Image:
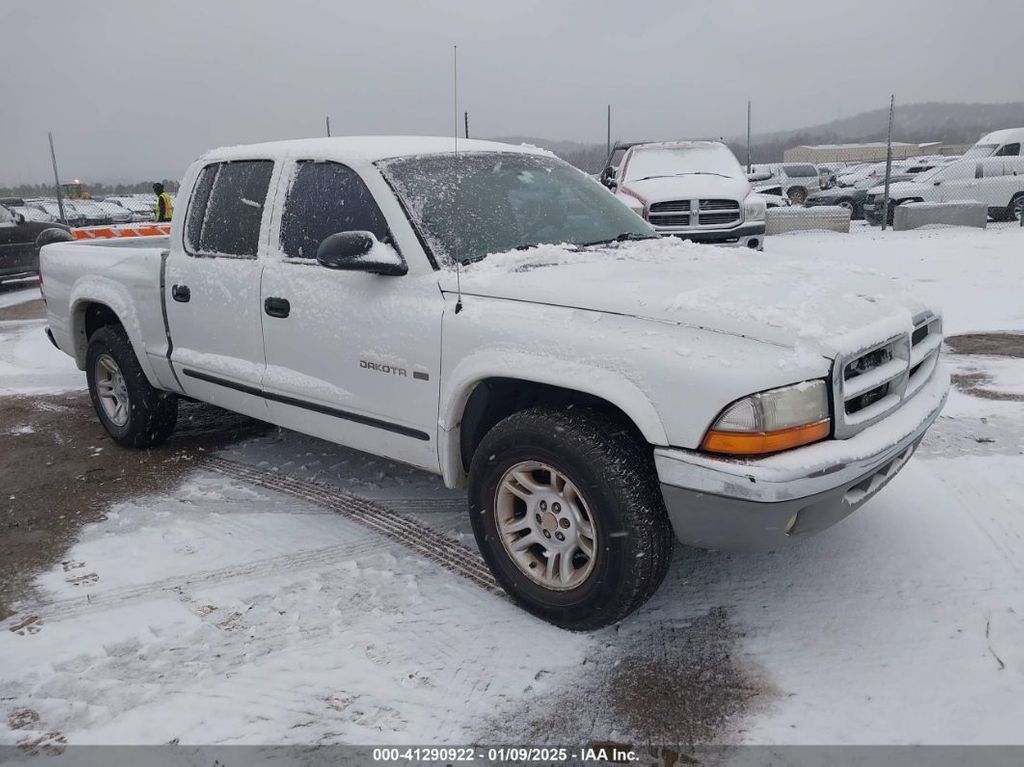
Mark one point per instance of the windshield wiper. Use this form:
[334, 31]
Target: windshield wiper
[624, 237]
[685, 173]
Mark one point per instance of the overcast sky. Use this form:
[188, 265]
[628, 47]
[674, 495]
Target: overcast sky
[136, 90]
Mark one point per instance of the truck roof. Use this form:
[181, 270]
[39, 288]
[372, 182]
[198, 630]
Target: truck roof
[1002, 136]
[364, 148]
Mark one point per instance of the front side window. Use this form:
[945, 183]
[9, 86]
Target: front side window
[470, 205]
[1009, 150]
[326, 198]
[226, 208]
[801, 171]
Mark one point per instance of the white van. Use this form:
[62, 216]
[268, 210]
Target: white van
[997, 181]
[1000, 143]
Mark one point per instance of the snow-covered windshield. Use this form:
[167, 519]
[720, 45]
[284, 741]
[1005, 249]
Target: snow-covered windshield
[683, 160]
[980, 150]
[473, 204]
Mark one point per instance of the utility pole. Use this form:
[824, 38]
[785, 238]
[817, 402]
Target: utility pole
[888, 164]
[749, 167]
[465, 116]
[608, 142]
[56, 181]
[328, 118]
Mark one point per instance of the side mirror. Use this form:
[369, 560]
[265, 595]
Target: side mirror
[19, 218]
[360, 252]
[608, 177]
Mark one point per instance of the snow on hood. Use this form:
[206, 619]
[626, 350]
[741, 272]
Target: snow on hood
[827, 310]
[690, 187]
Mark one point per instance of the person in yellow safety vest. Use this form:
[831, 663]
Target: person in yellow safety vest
[164, 203]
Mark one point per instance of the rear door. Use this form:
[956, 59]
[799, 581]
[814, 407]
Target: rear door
[351, 357]
[212, 286]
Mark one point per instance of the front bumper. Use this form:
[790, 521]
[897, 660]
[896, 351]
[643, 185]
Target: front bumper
[764, 504]
[750, 234]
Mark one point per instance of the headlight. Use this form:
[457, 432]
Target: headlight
[773, 420]
[754, 207]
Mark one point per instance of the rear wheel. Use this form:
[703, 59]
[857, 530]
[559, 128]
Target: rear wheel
[568, 514]
[130, 409]
[797, 195]
[1016, 207]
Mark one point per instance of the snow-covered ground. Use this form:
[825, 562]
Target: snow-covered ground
[227, 613]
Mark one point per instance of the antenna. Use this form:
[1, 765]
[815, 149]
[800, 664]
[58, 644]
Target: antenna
[455, 106]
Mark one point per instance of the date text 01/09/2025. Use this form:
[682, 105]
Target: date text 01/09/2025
[613, 754]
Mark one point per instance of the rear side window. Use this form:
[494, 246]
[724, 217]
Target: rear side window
[326, 198]
[226, 208]
[801, 171]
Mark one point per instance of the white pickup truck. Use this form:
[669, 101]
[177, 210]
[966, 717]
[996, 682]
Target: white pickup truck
[493, 315]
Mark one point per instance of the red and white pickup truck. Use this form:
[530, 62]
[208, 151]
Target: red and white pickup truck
[495, 316]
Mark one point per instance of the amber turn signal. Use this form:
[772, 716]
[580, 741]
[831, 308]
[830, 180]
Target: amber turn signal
[760, 443]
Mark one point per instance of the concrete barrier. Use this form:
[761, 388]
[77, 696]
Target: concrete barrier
[797, 219]
[911, 215]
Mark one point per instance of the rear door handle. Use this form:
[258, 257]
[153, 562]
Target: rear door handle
[181, 293]
[277, 307]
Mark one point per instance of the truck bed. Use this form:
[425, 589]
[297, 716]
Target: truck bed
[126, 276]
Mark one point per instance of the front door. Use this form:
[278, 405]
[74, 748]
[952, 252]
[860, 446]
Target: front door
[16, 247]
[212, 288]
[352, 357]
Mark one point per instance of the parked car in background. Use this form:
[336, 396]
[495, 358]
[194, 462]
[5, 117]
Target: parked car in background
[71, 214]
[851, 197]
[797, 180]
[93, 214]
[140, 209]
[1000, 143]
[997, 181]
[19, 252]
[33, 214]
[695, 190]
[117, 213]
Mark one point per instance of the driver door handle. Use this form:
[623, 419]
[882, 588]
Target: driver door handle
[277, 307]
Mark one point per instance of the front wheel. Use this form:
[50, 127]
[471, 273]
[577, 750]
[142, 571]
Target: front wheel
[130, 409]
[568, 514]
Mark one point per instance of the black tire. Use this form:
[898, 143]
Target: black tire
[151, 413]
[614, 472]
[1016, 207]
[797, 195]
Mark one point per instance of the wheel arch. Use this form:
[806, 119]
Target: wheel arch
[102, 305]
[477, 402]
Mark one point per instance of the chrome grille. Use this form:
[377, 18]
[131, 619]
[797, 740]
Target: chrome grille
[869, 385]
[693, 213]
[715, 219]
[672, 213]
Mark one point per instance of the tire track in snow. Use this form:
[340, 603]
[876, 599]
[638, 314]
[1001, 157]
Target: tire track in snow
[420, 538]
[175, 585]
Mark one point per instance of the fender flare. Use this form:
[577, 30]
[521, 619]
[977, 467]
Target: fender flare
[600, 382]
[96, 289]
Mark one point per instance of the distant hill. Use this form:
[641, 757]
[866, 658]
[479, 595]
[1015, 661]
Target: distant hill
[952, 123]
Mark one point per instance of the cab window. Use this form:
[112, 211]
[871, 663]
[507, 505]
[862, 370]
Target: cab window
[326, 198]
[226, 209]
